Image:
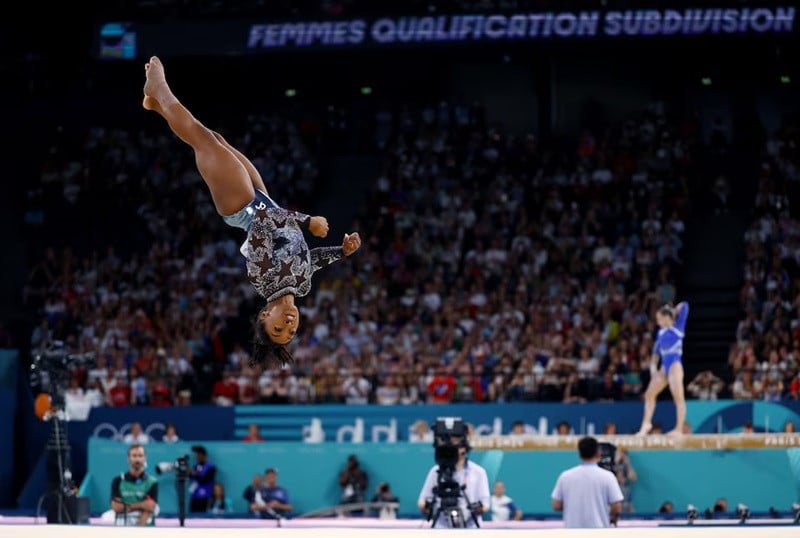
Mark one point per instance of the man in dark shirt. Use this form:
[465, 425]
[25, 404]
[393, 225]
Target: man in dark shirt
[274, 499]
[134, 494]
[203, 475]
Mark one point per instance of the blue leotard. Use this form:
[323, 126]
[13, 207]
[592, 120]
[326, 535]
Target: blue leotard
[669, 343]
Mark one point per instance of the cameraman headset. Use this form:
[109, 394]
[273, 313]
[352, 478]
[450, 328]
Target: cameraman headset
[474, 496]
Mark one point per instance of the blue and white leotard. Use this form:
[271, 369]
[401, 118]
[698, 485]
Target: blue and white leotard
[669, 343]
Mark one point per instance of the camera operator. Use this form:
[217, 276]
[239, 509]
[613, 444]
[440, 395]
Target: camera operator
[203, 475]
[588, 494]
[470, 481]
[134, 494]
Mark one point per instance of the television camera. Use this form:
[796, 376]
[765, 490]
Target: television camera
[181, 469]
[450, 435]
[51, 368]
[49, 375]
[180, 466]
[608, 456]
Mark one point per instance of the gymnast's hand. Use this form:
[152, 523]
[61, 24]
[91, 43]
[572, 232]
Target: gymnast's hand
[318, 226]
[351, 243]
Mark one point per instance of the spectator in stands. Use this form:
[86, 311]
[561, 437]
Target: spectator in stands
[170, 434]
[420, 432]
[389, 391]
[563, 428]
[705, 386]
[356, 388]
[136, 435]
[657, 429]
[441, 388]
[120, 392]
[632, 381]
[96, 394]
[226, 390]
[253, 434]
[76, 401]
[134, 494]
[609, 390]
[745, 387]
[517, 428]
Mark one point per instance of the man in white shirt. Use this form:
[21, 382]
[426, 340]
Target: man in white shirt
[589, 495]
[468, 480]
[136, 435]
[502, 506]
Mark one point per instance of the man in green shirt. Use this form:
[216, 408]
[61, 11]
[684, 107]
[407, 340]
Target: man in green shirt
[134, 494]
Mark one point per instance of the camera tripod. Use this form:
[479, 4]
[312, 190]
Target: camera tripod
[180, 490]
[448, 491]
[60, 492]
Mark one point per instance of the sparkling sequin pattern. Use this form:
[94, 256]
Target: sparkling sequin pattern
[279, 261]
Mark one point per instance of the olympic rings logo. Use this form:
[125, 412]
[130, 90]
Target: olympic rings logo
[110, 431]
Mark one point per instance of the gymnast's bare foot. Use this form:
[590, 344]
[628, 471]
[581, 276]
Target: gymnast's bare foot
[157, 94]
[675, 433]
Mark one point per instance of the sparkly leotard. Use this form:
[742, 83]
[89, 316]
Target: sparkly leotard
[279, 261]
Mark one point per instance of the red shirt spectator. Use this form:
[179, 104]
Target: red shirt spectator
[160, 394]
[120, 394]
[253, 435]
[441, 388]
[794, 388]
[226, 391]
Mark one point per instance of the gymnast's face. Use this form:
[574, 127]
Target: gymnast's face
[281, 322]
[663, 320]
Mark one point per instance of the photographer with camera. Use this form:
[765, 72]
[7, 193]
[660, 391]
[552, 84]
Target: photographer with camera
[134, 494]
[203, 475]
[456, 490]
[353, 481]
[384, 494]
[589, 494]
